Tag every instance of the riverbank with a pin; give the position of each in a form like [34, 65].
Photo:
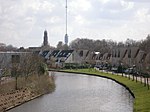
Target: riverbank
[141, 93]
[28, 89]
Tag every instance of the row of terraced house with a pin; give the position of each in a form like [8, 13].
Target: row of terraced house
[125, 56]
[119, 55]
[58, 58]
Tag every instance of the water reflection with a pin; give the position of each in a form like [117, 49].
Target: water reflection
[79, 93]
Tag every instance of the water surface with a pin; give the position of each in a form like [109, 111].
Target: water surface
[81, 93]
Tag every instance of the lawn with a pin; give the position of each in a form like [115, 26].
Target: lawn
[141, 93]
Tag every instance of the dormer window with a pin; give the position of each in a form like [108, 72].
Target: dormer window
[115, 54]
[64, 54]
[118, 53]
[129, 53]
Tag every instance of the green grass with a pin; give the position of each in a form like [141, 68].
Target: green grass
[142, 94]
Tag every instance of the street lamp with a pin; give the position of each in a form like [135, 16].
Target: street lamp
[122, 69]
[106, 66]
[147, 76]
[134, 71]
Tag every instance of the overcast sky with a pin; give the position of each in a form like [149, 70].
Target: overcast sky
[22, 22]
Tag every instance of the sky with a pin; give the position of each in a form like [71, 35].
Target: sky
[22, 22]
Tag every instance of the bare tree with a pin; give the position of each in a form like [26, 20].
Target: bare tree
[4, 47]
[29, 64]
[145, 44]
[102, 46]
[60, 45]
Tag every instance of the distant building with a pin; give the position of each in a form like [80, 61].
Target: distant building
[45, 40]
[58, 58]
[8, 59]
[45, 44]
[34, 49]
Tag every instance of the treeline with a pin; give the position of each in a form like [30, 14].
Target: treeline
[145, 44]
[104, 46]
[4, 47]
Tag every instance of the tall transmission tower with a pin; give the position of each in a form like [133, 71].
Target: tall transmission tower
[66, 35]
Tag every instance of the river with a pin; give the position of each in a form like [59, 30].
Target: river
[81, 93]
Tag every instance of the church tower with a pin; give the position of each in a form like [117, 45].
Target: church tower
[45, 41]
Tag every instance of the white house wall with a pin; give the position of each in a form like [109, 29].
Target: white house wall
[74, 58]
[6, 58]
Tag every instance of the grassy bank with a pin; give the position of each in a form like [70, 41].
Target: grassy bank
[29, 88]
[141, 93]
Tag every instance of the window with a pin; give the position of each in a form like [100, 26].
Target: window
[125, 54]
[81, 53]
[113, 54]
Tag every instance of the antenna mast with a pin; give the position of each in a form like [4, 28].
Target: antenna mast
[66, 15]
[66, 36]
